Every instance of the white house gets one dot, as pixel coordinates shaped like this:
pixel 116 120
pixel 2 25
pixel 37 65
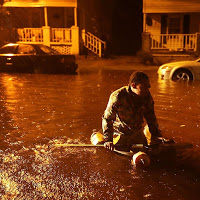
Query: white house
pixel 52 23
pixel 171 25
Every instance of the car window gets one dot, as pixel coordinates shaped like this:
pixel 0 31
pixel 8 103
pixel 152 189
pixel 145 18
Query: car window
pixel 25 49
pixel 7 49
pixel 48 50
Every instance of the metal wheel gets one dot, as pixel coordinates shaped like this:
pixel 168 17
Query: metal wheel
pixel 182 75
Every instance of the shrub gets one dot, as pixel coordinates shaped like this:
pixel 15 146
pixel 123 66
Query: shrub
pixel 145 57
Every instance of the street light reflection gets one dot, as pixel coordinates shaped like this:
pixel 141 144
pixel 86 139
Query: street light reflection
pixel 10 83
pixel 165 85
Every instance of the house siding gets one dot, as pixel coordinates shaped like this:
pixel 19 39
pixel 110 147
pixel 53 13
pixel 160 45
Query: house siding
pixel 170 6
pixel 155 28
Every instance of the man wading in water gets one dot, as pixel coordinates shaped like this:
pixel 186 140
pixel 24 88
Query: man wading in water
pixel 124 116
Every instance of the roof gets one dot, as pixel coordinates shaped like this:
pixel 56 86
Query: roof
pixel 41 3
pixel 171 6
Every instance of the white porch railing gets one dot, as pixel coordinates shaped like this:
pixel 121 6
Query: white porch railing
pixel 63 35
pixel 174 41
pixel 93 43
pixel 34 35
pixel 65 40
pixel 58 35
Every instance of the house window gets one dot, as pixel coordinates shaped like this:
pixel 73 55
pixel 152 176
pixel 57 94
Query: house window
pixel 174 25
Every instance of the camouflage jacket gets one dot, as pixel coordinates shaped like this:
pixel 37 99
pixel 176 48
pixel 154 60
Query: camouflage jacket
pixel 125 114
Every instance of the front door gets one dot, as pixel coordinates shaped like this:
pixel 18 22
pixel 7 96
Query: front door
pixel 172 26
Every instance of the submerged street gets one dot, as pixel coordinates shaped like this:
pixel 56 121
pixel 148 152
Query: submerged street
pixel 41 110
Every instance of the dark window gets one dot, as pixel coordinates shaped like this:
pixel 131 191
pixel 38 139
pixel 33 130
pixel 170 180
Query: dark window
pixel 25 49
pixel 186 24
pixel 7 49
pixel 163 24
pixel 174 25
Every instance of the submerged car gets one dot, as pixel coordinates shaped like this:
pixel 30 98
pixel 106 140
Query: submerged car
pixel 183 70
pixel 35 58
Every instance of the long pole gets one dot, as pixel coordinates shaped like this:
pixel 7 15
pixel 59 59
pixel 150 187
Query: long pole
pixel 78 145
pixel 125 153
pixel 92 145
pixel 135 146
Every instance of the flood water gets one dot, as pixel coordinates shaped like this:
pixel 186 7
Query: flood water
pixel 39 111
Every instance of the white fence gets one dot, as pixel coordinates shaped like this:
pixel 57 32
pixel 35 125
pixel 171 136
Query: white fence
pixel 93 43
pixel 177 42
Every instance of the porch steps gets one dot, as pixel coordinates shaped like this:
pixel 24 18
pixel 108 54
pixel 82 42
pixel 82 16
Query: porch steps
pixel 93 43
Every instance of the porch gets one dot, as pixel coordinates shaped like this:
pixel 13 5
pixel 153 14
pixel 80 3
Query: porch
pixel 174 42
pixel 52 23
pixel 171 42
pixel 65 40
pixel 171 47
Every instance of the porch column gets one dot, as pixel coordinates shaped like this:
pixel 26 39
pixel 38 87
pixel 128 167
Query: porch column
pixel 146 42
pixel 83 35
pixel 144 22
pixel 197 50
pixel 75 16
pixel 45 16
pixel 46 35
pixel 75 40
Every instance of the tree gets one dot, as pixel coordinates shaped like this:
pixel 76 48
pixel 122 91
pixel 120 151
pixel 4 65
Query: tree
pixel 3 12
pixel 3 1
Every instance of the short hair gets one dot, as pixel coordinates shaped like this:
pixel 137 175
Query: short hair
pixel 137 77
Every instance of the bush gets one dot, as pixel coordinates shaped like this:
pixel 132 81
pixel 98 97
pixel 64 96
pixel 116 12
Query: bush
pixel 145 57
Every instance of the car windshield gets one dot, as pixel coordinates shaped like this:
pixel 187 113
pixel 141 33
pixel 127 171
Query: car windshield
pixel 7 49
pixel 48 50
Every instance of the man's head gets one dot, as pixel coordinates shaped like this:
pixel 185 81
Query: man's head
pixel 139 83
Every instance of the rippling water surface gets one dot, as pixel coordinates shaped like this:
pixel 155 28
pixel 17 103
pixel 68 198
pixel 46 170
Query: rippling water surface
pixel 39 111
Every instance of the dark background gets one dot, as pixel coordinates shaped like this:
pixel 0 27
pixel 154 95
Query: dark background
pixel 127 26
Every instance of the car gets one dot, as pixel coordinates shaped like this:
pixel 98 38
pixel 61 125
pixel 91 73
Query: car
pixel 35 58
pixel 182 70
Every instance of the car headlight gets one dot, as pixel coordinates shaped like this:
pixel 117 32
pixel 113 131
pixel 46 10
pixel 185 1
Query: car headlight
pixel 164 67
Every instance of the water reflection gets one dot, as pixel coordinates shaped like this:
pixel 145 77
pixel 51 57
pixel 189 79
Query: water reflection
pixel 39 111
pixel 178 106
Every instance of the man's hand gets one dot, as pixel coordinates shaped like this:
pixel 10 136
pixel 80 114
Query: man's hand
pixel 155 140
pixel 109 145
pixel 160 140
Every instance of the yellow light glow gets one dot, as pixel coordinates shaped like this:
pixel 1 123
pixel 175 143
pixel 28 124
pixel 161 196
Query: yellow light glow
pixel 9 54
pixel 11 44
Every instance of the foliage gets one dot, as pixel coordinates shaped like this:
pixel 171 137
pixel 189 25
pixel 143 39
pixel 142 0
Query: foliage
pixel 2 2
pixel 3 13
pixel 3 10
pixel 145 57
